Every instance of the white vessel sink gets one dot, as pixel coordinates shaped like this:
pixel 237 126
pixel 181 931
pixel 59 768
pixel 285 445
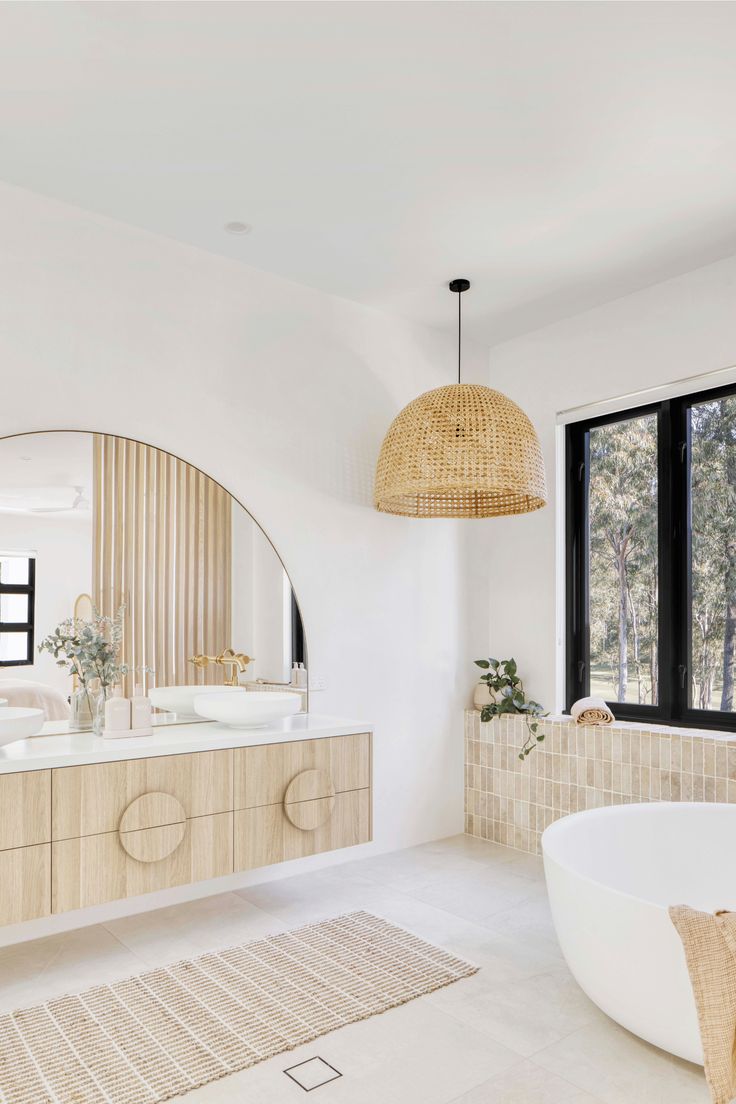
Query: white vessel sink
pixel 252 709
pixel 17 723
pixel 180 699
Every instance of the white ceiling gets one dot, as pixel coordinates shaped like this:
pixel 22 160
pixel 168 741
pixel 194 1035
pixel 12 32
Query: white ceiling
pixel 46 473
pixel 558 154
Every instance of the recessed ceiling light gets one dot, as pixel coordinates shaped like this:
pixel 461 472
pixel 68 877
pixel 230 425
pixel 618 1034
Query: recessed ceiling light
pixel 239 228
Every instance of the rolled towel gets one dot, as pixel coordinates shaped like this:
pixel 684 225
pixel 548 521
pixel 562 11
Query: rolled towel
pixel 591 711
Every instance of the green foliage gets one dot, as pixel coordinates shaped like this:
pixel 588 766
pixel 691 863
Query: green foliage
pixel 623 559
pixel 507 689
pixel 89 649
pixel 713 480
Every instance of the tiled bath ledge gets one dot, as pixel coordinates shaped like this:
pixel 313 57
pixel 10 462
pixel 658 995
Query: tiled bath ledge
pixel 584 767
pixel 669 730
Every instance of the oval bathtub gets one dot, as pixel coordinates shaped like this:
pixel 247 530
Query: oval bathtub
pixel 611 874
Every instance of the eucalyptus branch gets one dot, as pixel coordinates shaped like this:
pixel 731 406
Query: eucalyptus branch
pixel 90 649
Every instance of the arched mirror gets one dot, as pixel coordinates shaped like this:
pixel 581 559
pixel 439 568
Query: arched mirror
pixel 107 531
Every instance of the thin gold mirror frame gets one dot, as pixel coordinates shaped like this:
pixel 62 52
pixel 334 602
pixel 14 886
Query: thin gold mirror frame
pixel 151 478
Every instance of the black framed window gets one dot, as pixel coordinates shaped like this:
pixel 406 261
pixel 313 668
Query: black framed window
pixel 651 560
pixel 17 608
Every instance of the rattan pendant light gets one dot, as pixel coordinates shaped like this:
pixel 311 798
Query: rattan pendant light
pixel 460 451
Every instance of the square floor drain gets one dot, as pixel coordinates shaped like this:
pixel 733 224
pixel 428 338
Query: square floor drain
pixel 312 1074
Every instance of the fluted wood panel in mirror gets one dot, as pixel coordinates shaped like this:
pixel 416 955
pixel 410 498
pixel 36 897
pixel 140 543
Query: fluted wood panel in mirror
pixel 162 548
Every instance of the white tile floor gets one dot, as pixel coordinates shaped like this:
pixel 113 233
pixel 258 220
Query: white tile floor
pixel 518 1032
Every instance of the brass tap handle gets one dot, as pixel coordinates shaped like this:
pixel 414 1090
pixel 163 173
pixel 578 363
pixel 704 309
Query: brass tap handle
pixel 202 661
pixel 243 660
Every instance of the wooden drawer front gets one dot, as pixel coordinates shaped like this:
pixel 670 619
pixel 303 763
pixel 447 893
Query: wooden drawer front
pixel 90 800
pixel 90 870
pixel 25 808
pixel 266 835
pixel 262 774
pixel 25 883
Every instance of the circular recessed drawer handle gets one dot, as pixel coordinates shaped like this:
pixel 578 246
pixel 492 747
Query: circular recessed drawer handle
pixel 309 801
pixel 152 827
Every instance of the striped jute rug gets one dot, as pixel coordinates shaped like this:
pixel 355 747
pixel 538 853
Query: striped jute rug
pixel 164 1032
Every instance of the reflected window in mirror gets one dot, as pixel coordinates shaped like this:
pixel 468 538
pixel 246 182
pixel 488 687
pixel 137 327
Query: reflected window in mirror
pixel 17 608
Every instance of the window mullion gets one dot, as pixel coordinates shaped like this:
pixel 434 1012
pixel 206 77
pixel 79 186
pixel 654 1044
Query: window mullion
pixel 673 672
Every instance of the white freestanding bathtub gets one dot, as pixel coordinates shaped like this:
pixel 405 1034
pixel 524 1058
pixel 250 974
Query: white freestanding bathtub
pixel 611 874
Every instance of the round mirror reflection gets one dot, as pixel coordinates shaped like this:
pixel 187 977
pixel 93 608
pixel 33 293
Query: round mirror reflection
pixel 124 539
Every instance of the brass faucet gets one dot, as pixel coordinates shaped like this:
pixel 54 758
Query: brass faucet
pixel 236 661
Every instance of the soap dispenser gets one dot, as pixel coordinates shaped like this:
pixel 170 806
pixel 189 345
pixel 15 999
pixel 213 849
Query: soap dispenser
pixel 140 713
pixel 117 715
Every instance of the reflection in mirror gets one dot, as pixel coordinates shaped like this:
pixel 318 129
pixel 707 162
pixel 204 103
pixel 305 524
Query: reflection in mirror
pixel 95 523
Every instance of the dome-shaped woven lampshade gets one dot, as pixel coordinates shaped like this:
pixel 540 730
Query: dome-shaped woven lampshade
pixel 460 451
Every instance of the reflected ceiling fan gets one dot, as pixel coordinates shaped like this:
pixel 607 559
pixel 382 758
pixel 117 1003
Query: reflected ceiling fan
pixel 80 502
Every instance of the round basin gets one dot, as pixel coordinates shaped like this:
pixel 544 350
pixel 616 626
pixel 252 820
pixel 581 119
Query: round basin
pixel 252 709
pixel 180 699
pixel 17 723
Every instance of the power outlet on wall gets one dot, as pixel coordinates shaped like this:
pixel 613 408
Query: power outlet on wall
pixel 317 682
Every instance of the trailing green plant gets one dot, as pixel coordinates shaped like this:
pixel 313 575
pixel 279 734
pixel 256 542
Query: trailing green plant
pixel 507 690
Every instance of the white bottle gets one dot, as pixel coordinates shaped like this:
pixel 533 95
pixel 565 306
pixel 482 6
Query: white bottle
pixel 140 713
pixel 117 715
pixel 301 677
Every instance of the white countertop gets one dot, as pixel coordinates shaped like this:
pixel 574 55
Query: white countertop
pixel 75 748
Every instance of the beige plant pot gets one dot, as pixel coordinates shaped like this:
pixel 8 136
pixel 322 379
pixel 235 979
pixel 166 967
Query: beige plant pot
pixel 483 695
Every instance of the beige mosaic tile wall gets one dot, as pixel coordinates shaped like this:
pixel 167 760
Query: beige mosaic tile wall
pixel 576 768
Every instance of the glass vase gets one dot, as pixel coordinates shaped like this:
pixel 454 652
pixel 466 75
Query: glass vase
pixel 83 703
pixel 99 697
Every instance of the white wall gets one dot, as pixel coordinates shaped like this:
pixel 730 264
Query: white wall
pixel 269 644
pixel 283 394
pixel 242 583
pixel 259 621
pixel 680 328
pixel 63 546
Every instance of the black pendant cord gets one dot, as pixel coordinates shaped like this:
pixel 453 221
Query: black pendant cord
pixel 459 286
pixel 459 333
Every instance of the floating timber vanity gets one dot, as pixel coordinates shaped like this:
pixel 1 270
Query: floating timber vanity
pixel 84 821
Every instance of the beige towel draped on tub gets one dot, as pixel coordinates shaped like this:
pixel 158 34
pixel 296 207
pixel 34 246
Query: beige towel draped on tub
pixel 591 711
pixel 710 950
